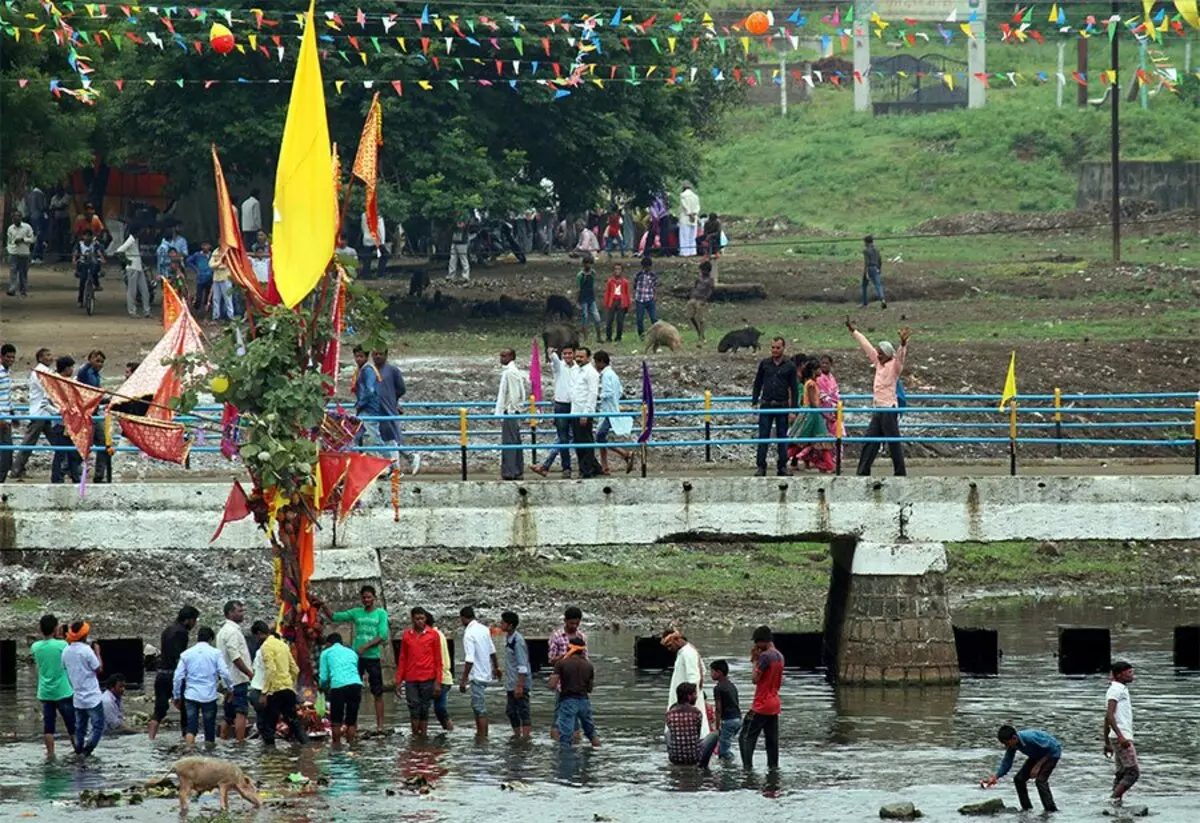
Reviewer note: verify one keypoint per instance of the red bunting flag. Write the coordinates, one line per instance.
(237, 507)
(76, 402)
(360, 474)
(399, 87)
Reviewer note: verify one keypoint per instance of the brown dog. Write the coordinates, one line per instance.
(203, 774)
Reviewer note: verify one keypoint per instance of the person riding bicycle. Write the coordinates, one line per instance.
(87, 260)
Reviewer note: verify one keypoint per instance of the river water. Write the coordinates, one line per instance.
(844, 752)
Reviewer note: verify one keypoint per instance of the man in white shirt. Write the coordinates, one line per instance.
(689, 221)
(511, 400)
(81, 663)
(39, 406)
(196, 676)
(19, 242)
(1118, 731)
(137, 288)
(562, 365)
(373, 249)
(251, 218)
(585, 394)
(588, 242)
(231, 642)
(480, 666)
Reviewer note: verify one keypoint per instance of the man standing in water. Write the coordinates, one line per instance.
(174, 642)
(370, 633)
(888, 364)
(278, 699)
(574, 678)
(683, 727)
(1118, 731)
(689, 668)
(558, 646)
(53, 689)
(516, 675)
(232, 644)
(82, 663)
(763, 716)
(418, 669)
(1042, 752)
(480, 666)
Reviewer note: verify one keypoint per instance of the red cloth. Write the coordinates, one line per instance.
(76, 402)
(770, 678)
(614, 225)
(420, 657)
(237, 507)
(611, 297)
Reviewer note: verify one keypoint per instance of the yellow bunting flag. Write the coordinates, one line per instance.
(1053, 18)
(304, 201)
(1010, 383)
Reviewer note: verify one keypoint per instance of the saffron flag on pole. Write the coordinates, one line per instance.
(304, 202)
(172, 306)
(76, 402)
(535, 372)
(647, 404)
(1010, 383)
(333, 349)
(237, 507)
(366, 163)
(232, 248)
(361, 472)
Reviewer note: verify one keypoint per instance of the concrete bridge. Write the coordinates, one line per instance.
(887, 618)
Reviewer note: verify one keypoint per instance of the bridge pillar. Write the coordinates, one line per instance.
(895, 626)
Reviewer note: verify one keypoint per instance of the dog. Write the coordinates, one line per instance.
(559, 306)
(663, 333)
(203, 774)
(746, 338)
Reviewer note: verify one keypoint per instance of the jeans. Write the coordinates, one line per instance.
(589, 466)
(518, 710)
(590, 313)
(883, 424)
(137, 288)
(618, 241)
(222, 300)
(643, 308)
(203, 293)
(65, 462)
(615, 313)
(83, 718)
(720, 741)
(767, 420)
(439, 704)
(460, 260)
(418, 694)
(752, 726)
(562, 428)
(479, 698)
(18, 276)
(83, 271)
(876, 277)
(571, 709)
(65, 707)
(1042, 781)
(194, 709)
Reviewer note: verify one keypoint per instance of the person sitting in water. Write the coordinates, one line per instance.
(683, 727)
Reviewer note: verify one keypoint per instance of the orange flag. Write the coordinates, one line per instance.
(361, 473)
(233, 250)
(366, 162)
(172, 304)
(157, 438)
(76, 402)
(237, 507)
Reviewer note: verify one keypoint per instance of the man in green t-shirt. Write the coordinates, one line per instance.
(54, 689)
(370, 633)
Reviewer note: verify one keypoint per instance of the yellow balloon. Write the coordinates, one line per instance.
(219, 384)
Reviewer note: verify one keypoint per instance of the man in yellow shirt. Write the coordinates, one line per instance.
(279, 687)
(446, 681)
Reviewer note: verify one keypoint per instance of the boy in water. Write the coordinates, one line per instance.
(54, 690)
(1043, 753)
(728, 714)
(763, 717)
(1118, 731)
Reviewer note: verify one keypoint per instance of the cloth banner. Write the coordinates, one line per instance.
(237, 507)
(362, 471)
(159, 439)
(76, 402)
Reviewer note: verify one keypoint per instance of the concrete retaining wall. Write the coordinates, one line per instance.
(492, 514)
(1170, 185)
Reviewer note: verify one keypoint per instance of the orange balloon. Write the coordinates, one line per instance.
(757, 23)
(221, 39)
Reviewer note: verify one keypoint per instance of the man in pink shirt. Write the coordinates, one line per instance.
(888, 363)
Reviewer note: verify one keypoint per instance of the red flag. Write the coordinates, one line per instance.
(237, 507)
(366, 163)
(233, 250)
(333, 467)
(76, 402)
(156, 438)
(362, 471)
(329, 363)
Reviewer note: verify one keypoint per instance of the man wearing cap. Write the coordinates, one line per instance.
(888, 364)
(81, 662)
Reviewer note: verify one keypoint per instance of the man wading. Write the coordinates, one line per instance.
(1043, 753)
(174, 642)
(1118, 731)
(888, 363)
(370, 633)
(232, 645)
(418, 669)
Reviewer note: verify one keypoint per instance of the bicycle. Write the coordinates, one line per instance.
(89, 294)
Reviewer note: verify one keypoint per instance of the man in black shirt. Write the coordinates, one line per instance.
(872, 270)
(774, 388)
(174, 643)
(729, 716)
(574, 677)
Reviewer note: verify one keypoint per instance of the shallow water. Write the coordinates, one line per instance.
(843, 753)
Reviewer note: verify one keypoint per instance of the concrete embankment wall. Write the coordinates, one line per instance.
(1171, 186)
(493, 514)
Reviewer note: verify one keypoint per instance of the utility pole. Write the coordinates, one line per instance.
(1059, 80)
(1115, 91)
(783, 83)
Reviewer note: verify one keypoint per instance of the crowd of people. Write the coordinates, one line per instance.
(230, 673)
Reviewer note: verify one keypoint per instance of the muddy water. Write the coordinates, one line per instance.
(843, 753)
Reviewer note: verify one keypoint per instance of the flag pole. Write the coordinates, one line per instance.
(1012, 437)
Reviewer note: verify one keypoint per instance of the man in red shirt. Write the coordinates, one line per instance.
(763, 716)
(419, 668)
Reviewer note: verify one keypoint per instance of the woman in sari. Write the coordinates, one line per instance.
(827, 385)
(808, 427)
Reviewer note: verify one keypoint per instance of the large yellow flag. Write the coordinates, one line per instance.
(1010, 383)
(1187, 8)
(302, 245)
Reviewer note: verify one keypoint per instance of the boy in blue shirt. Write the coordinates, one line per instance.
(1043, 753)
(337, 672)
(199, 263)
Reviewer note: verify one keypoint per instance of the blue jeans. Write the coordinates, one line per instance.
(194, 709)
(439, 704)
(52, 708)
(723, 736)
(644, 308)
(84, 717)
(876, 277)
(590, 312)
(618, 241)
(562, 428)
(571, 709)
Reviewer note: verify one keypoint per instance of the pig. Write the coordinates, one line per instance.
(559, 306)
(557, 337)
(663, 333)
(203, 774)
(746, 338)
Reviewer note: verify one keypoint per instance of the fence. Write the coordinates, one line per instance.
(1158, 420)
